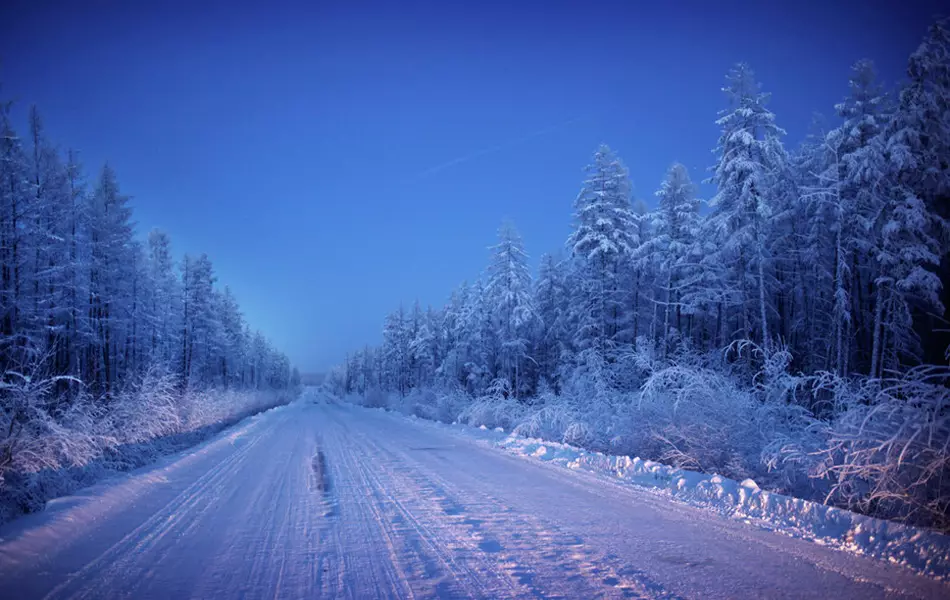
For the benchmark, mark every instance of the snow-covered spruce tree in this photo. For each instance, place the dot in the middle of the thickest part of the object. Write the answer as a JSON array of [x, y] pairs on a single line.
[[601, 244], [48, 230], [806, 252], [421, 348], [449, 370], [749, 154], [482, 340], [793, 319], [827, 271], [78, 332], [913, 172], [15, 197], [395, 352], [839, 175], [232, 347], [110, 236], [705, 292], [638, 278], [199, 321], [509, 292], [552, 336], [851, 181], [675, 227], [165, 330]]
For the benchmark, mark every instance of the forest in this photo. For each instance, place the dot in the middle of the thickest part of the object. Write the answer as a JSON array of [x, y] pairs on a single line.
[[111, 349], [789, 329]]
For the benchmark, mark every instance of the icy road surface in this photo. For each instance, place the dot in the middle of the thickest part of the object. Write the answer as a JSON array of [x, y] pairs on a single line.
[[318, 500]]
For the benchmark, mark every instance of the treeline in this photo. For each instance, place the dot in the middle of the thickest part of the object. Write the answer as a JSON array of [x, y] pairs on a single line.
[[83, 300], [813, 289], [111, 351]]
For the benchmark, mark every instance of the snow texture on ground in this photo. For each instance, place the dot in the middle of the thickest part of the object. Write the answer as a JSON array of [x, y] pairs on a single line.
[[919, 549], [320, 499]]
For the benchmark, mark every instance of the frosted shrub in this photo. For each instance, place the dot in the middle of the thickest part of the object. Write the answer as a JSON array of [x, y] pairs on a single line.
[[375, 398], [592, 382], [497, 408], [579, 434], [792, 439], [888, 452], [450, 405], [33, 439], [790, 432], [699, 419], [148, 410], [549, 420], [202, 407], [422, 403], [38, 437]]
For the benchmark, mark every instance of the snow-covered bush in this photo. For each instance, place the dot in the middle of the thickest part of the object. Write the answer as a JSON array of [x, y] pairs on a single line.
[[376, 398], [38, 434], [593, 381], [149, 409], [449, 405], [422, 403], [697, 418], [888, 450], [497, 408], [549, 419]]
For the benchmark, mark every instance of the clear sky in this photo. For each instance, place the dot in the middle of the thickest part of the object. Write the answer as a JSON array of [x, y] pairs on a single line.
[[337, 158]]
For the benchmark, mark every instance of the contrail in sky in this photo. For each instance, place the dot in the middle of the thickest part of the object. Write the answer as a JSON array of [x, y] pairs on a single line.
[[491, 149]]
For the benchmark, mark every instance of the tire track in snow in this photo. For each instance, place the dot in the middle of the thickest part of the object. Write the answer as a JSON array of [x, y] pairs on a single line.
[[528, 550], [180, 514], [359, 522], [474, 572]]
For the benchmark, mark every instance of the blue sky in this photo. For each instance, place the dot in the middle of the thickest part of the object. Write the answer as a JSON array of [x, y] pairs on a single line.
[[337, 158]]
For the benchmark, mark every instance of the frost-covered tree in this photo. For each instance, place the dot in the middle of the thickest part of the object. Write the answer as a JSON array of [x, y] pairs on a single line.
[[203, 338], [164, 330], [110, 235], [15, 198], [913, 227], [676, 225], [852, 179], [750, 154], [601, 244], [395, 351], [510, 294], [913, 180], [553, 337], [232, 345], [48, 230], [422, 358], [638, 278]]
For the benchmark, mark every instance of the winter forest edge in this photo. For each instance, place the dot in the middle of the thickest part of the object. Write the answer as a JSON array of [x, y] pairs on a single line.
[[793, 332], [112, 352]]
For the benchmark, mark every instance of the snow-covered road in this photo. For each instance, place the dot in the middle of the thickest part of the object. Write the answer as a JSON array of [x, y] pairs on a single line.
[[320, 500]]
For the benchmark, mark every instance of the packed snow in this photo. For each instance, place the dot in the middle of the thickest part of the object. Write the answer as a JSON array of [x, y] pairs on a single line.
[[325, 499]]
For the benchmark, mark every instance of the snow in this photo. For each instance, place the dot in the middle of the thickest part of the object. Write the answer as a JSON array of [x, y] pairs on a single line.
[[323, 499], [920, 549]]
